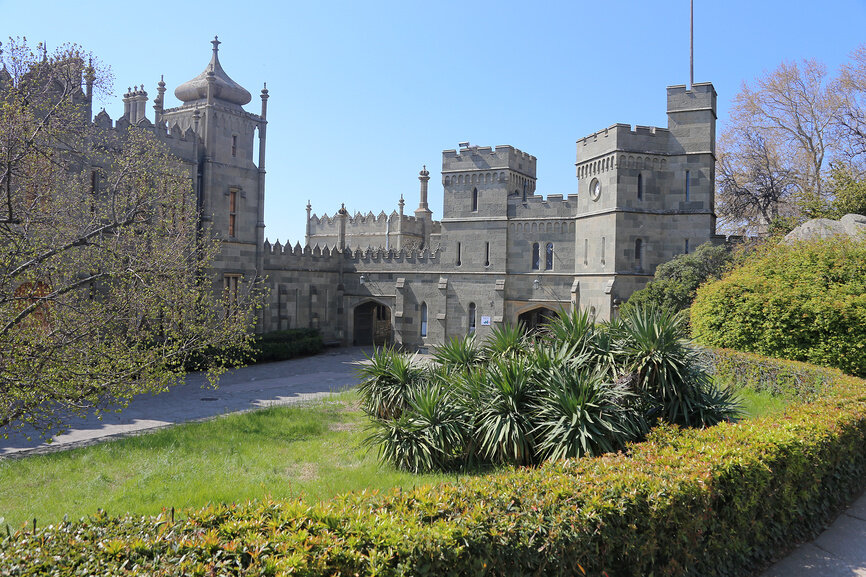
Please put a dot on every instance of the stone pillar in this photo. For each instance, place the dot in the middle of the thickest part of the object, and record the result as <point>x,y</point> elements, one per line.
<point>343,216</point>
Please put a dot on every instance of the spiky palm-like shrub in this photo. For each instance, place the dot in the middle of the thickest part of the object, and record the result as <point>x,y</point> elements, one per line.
<point>573,327</point>
<point>459,353</point>
<point>387,381</point>
<point>506,341</point>
<point>429,435</point>
<point>504,420</point>
<point>579,413</point>
<point>668,370</point>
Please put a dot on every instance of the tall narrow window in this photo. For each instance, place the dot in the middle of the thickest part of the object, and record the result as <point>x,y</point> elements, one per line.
<point>548,256</point>
<point>585,251</point>
<point>230,289</point>
<point>233,210</point>
<point>639,186</point>
<point>536,256</point>
<point>459,250</point>
<point>471,318</point>
<point>486,254</point>
<point>687,186</point>
<point>474,200</point>
<point>423,319</point>
<point>687,246</point>
<point>234,145</point>
<point>638,254</point>
<point>602,250</point>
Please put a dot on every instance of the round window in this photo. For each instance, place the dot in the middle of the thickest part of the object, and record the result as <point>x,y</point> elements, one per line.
<point>594,189</point>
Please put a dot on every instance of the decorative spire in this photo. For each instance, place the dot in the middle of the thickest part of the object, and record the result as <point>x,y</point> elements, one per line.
<point>424,171</point>
<point>216,44</point>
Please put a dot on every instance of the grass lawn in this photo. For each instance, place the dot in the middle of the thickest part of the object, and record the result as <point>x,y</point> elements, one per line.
<point>313,451</point>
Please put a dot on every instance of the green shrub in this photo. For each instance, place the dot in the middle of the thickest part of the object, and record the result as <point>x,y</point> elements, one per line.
<point>803,301</point>
<point>288,344</point>
<point>675,282</point>
<point>715,502</point>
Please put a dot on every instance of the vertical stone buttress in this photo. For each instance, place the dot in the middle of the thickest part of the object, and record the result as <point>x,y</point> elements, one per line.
<point>260,221</point>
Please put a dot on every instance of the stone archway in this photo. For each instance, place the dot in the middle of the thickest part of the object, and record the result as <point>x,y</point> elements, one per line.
<point>534,319</point>
<point>372,324</point>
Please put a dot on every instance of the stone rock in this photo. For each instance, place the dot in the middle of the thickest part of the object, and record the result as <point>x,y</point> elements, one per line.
<point>850,225</point>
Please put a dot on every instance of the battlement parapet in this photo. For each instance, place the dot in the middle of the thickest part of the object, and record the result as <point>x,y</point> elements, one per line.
<point>701,96</point>
<point>623,138</point>
<point>295,257</point>
<point>537,206</point>
<point>488,158</point>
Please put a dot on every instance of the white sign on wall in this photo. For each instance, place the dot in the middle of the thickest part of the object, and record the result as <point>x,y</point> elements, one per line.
<point>485,321</point>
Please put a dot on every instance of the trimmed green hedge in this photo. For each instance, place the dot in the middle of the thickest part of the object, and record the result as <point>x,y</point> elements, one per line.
<point>284,345</point>
<point>717,501</point>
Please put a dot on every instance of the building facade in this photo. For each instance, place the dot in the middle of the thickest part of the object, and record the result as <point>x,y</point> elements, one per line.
<point>501,253</point>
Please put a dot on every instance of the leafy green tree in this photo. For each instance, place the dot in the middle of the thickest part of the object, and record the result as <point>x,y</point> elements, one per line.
<point>105,289</point>
<point>848,195</point>
<point>677,280</point>
<point>803,301</point>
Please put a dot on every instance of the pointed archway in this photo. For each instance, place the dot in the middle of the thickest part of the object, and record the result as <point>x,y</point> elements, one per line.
<point>536,318</point>
<point>372,324</point>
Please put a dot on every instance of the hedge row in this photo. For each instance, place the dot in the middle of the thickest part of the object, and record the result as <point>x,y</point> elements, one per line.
<point>284,345</point>
<point>717,501</point>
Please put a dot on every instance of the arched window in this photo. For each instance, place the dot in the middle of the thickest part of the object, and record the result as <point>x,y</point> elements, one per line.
<point>638,253</point>
<point>639,186</point>
<point>471,318</point>
<point>548,256</point>
<point>474,200</point>
<point>536,256</point>
<point>423,319</point>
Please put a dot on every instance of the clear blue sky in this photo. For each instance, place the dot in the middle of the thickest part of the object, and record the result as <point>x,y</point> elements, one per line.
<point>364,93</point>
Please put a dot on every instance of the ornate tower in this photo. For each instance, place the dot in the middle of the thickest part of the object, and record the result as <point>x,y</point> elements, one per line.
<point>230,182</point>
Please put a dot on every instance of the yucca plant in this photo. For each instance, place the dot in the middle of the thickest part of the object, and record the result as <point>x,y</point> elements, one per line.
<point>506,341</point>
<point>574,327</point>
<point>581,414</point>
<point>402,442</point>
<point>668,370</point>
<point>387,380</point>
<point>459,353</point>
<point>504,425</point>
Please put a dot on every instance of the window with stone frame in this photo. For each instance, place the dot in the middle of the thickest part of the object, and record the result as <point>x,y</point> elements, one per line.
<point>233,211</point>
<point>536,256</point>
<point>472,311</point>
<point>548,256</point>
<point>423,319</point>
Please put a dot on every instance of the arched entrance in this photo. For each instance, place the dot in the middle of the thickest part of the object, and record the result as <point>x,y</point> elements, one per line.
<point>372,324</point>
<point>536,318</point>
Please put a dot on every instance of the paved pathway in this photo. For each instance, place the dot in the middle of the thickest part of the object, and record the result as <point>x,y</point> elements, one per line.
<point>252,387</point>
<point>838,552</point>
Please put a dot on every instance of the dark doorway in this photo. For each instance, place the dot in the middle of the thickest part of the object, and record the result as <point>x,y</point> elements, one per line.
<point>372,324</point>
<point>536,318</point>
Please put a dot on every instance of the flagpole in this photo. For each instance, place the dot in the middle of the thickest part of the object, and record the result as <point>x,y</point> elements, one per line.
<point>692,46</point>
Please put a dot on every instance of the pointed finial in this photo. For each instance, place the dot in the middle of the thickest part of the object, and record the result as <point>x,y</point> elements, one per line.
<point>216,44</point>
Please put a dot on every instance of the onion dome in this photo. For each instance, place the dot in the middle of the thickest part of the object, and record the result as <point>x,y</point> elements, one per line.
<point>225,89</point>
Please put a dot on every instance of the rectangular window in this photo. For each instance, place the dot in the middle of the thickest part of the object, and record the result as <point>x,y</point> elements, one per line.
<point>486,254</point>
<point>536,256</point>
<point>548,256</point>
<point>585,252</point>
<point>602,250</point>
<point>234,146</point>
<point>423,319</point>
<point>233,208</point>
<point>459,250</point>
<point>687,246</point>
<point>687,186</point>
